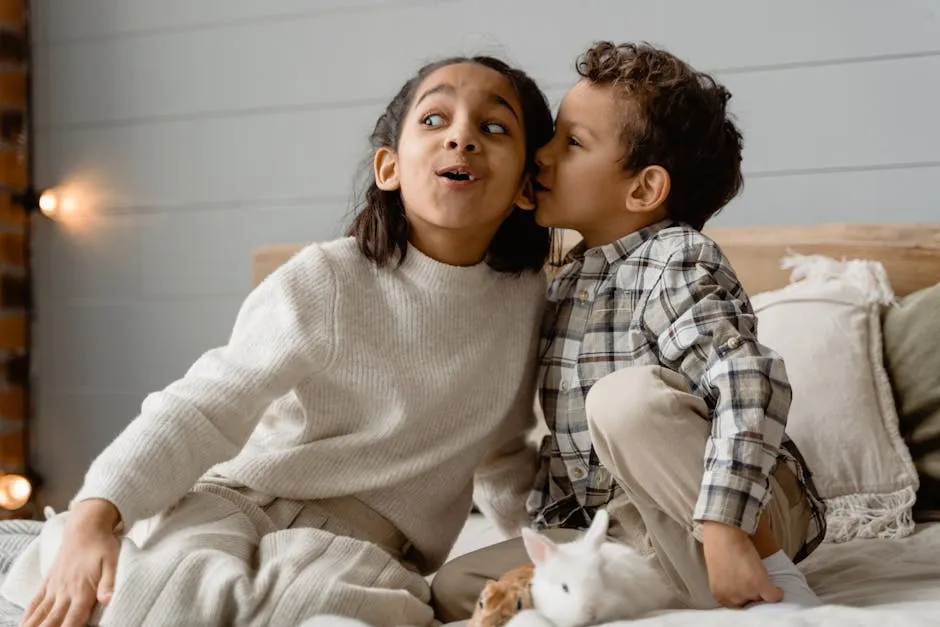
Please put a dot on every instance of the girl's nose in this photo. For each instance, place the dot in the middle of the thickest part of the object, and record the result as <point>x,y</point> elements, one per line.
<point>456,144</point>
<point>462,137</point>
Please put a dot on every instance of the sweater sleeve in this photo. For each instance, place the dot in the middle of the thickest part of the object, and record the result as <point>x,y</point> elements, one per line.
<point>282,335</point>
<point>503,480</point>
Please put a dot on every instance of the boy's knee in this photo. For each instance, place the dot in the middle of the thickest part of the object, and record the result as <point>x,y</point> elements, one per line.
<point>620,405</point>
<point>454,591</point>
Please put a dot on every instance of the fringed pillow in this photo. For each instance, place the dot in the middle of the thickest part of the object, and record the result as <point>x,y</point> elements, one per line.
<point>827,326</point>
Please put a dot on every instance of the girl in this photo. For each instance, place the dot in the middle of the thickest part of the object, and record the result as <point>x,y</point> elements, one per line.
<point>324,459</point>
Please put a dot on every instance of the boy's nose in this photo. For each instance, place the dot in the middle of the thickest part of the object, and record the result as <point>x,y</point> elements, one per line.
<point>543,157</point>
<point>542,161</point>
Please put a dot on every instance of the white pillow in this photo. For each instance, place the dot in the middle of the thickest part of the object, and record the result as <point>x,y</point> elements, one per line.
<point>827,326</point>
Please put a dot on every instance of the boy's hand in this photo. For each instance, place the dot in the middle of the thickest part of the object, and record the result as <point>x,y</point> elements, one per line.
<point>736,574</point>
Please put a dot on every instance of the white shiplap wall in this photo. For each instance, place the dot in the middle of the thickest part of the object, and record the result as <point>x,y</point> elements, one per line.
<point>201,128</point>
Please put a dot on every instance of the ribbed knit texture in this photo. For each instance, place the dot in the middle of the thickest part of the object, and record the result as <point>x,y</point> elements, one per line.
<point>340,378</point>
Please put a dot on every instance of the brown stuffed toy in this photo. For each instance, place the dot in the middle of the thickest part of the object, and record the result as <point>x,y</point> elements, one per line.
<point>503,599</point>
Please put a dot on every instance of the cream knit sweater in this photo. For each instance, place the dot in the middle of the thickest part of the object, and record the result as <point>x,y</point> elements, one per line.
<point>340,378</point>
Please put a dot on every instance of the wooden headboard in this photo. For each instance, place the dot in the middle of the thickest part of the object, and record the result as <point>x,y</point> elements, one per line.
<point>909,252</point>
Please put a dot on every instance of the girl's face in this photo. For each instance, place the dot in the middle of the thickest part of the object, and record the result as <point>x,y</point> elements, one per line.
<point>461,154</point>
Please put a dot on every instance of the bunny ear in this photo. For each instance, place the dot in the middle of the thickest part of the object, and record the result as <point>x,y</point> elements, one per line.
<point>538,546</point>
<point>597,533</point>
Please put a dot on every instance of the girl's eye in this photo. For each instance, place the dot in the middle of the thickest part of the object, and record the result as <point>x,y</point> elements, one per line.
<point>494,127</point>
<point>572,141</point>
<point>481,604</point>
<point>518,605</point>
<point>434,119</point>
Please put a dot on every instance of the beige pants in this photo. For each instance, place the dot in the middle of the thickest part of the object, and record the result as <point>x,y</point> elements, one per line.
<point>650,432</point>
<point>228,556</point>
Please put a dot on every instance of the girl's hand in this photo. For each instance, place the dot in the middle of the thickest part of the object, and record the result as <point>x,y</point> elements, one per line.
<point>83,571</point>
<point>736,573</point>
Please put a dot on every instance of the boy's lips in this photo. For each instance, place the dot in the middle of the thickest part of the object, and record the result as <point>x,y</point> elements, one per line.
<point>541,188</point>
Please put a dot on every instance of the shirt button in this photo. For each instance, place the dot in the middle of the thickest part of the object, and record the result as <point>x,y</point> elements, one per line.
<point>583,296</point>
<point>564,386</point>
<point>578,473</point>
<point>735,343</point>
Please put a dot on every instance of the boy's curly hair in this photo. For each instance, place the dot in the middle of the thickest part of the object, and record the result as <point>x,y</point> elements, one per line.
<point>674,117</point>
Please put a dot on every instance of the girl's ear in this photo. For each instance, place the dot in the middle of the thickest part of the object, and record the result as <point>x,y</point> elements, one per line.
<point>525,197</point>
<point>385,165</point>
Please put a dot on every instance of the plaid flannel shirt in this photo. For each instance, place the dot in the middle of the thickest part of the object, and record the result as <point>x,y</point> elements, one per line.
<point>665,295</point>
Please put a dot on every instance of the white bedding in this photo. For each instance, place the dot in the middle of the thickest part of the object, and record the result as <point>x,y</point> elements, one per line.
<point>882,583</point>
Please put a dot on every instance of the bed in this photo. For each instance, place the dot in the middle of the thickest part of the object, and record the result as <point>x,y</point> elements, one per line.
<point>864,581</point>
<point>14,536</point>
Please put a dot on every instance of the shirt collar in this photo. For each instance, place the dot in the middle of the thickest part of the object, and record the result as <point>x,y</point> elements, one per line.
<point>621,248</point>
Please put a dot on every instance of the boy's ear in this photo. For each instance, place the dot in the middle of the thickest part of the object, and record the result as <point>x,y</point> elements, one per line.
<point>525,197</point>
<point>648,190</point>
<point>385,165</point>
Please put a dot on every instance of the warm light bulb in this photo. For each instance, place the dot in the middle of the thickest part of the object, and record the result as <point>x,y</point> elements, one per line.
<point>15,491</point>
<point>49,203</point>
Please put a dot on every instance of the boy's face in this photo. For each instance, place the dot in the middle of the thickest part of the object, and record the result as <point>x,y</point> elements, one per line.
<point>583,185</point>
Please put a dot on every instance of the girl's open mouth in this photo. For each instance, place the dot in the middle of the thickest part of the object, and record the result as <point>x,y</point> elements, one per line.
<point>459,174</point>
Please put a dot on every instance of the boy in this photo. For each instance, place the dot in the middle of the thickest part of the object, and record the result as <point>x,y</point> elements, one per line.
<point>650,362</point>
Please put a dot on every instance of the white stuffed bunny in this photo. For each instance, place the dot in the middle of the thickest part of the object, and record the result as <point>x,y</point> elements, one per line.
<point>589,581</point>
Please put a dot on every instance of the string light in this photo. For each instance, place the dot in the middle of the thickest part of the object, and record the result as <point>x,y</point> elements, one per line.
<point>15,491</point>
<point>54,203</point>
<point>48,203</point>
